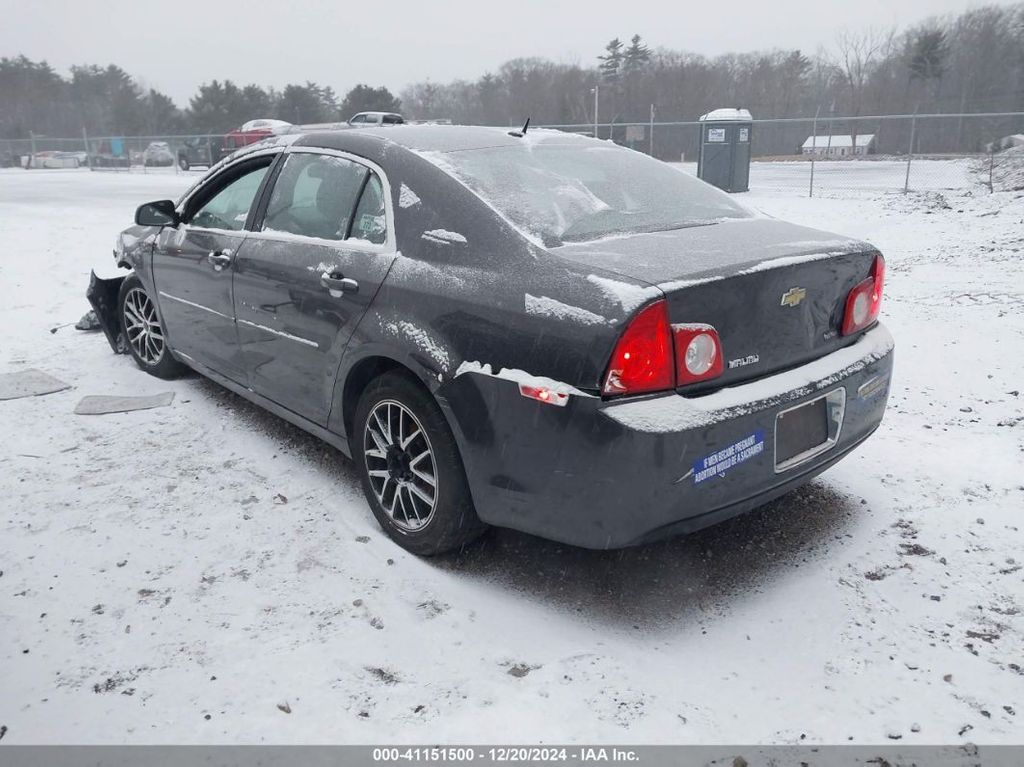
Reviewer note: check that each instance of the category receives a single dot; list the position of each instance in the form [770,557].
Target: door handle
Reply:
[219,259]
[338,283]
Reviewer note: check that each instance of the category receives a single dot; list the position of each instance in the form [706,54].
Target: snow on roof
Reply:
[263,123]
[821,142]
[727,114]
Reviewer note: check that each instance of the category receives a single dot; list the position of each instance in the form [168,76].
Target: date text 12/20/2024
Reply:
[527,754]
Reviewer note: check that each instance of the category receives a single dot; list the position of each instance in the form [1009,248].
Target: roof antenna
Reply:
[521,133]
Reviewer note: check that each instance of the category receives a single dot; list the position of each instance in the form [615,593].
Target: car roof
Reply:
[438,138]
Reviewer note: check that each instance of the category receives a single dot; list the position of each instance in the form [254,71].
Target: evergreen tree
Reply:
[306,104]
[611,61]
[928,55]
[365,98]
[636,57]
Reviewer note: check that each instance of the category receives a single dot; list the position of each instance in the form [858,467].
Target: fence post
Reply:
[991,166]
[32,150]
[651,150]
[814,147]
[88,154]
[910,152]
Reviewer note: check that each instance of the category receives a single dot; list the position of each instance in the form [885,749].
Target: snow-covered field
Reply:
[868,175]
[205,572]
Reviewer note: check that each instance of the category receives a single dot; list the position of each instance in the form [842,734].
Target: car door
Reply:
[192,267]
[322,245]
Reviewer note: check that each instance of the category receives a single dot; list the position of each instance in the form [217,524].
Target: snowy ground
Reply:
[157,587]
[859,176]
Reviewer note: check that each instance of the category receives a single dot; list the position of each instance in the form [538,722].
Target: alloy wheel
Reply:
[401,466]
[142,326]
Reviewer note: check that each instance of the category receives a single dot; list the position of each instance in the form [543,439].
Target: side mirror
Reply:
[159,213]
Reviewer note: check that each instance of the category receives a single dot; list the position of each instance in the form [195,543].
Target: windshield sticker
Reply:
[717,464]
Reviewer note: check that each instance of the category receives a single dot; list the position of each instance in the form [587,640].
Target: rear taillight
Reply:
[643,360]
[698,353]
[653,355]
[865,300]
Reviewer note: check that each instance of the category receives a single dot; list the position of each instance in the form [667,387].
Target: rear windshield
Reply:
[562,193]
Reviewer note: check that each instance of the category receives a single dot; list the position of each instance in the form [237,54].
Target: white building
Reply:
[839,146]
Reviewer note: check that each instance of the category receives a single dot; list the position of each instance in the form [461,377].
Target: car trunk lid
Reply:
[774,291]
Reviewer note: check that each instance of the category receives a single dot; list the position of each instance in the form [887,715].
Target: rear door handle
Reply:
[219,259]
[338,283]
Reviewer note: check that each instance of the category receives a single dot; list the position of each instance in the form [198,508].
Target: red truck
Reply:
[251,132]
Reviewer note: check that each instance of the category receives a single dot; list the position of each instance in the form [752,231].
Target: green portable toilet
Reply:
[724,158]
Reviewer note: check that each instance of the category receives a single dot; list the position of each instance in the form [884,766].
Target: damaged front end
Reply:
[103,295]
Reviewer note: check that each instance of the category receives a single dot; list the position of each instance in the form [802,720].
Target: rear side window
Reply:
[370,222]
[315,196]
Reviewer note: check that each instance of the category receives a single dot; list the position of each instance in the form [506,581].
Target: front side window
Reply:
[327,197]
[229,207]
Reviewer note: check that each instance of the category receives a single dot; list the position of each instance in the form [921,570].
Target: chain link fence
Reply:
[844,156]
[116,153]
[806,156]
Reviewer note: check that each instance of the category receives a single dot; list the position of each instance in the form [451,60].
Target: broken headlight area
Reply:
[103,295]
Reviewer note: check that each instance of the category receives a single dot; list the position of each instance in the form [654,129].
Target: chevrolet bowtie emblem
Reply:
[793,296]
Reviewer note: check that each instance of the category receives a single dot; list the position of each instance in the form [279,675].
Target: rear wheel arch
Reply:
[366,370]
[358,378]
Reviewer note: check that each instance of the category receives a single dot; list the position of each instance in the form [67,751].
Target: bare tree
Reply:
[859,54]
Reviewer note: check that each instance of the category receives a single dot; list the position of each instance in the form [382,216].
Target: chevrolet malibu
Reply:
[526,329]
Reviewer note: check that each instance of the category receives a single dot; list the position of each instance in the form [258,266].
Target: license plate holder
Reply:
[809,429]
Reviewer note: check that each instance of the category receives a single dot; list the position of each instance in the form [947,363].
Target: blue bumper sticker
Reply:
[717,464]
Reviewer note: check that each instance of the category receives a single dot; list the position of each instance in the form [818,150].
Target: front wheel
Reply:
[143,331]
[411,470]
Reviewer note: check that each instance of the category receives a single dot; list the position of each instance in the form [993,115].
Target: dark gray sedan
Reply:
[532,330]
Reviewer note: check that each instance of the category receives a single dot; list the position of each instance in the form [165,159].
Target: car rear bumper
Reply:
[607,474]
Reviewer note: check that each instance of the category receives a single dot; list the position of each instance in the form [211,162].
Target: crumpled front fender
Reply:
[103,295]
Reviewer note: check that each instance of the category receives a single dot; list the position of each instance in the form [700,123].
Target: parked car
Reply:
[157,154]
[252,132]
[539,331]
[199,152]
[54,159]
[366,119]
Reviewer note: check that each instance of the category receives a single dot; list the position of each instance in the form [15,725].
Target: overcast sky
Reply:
[174,46]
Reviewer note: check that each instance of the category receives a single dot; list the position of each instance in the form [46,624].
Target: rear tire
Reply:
[411,470]
[143,331]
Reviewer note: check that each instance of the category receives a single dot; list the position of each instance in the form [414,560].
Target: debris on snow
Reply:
[101,404]
[29,383]
[89,321]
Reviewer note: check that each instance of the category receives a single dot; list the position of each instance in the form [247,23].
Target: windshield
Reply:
[561,193]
